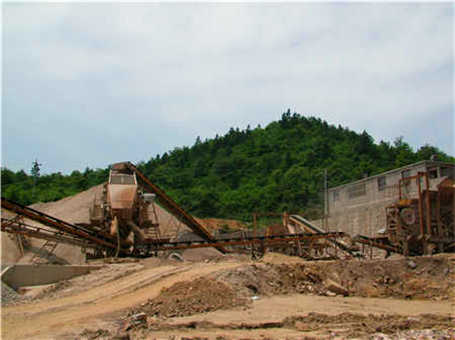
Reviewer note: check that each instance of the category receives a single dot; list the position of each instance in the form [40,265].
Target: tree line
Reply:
[276,168]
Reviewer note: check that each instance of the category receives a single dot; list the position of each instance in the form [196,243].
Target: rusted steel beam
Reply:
[44,234]
[438,213]
[420,203]
[173,207]
[370,242]
[266,240]
[307,224]
[55,223]
[427,203]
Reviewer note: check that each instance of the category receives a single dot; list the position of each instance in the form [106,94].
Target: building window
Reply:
[336,195]
[433,173]
[381,183]
[357,190]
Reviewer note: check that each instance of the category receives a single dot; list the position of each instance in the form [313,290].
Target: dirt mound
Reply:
[187,298]
[426,278]
[268,279]
[416,278]
[201,254]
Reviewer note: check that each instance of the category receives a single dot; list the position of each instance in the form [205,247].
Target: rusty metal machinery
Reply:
[104,244]
[55,229]
[127,206]
[18,226]
[314,248]
[123,222]
[168,203]
[300,222]
[419,224]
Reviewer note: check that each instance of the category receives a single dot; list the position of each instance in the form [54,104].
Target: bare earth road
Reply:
[101,307]
[48,319]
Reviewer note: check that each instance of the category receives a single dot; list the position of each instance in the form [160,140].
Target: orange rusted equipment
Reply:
[60,231]
[127,207]
[420,222]
[103,243]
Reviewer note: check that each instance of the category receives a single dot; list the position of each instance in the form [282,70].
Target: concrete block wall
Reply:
[366,213]
[364,220]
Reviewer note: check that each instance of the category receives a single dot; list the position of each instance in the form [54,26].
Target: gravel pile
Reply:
[188,298]
[9,295]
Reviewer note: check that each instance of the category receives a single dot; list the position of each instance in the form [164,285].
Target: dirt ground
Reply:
[278,297]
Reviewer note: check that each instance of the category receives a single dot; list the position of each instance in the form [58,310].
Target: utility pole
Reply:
[326,202]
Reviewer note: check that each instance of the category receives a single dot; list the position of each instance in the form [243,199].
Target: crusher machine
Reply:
[421,222]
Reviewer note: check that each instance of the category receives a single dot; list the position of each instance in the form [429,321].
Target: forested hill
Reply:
[272,169]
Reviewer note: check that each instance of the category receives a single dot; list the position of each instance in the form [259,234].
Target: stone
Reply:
[336,288]
[412,264]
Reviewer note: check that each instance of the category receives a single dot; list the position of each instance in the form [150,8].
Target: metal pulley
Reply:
[408,216]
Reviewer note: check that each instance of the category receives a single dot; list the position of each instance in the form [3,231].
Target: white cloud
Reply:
[166,73]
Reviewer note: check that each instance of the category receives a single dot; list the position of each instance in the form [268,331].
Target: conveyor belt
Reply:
[21,228]
[264,240]
[169,204]
[77,235]
[379,244]
[60,225]
[299,219]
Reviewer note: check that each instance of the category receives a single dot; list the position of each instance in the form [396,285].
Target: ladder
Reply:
[43,254]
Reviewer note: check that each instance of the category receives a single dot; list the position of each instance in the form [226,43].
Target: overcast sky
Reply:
[92,84]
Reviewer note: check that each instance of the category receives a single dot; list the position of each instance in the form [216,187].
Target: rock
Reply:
[301,326]
[139,317]
[331,294]
[134,320]
[412,264]
[336,288]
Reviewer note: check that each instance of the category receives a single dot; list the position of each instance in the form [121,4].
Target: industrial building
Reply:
[359,207]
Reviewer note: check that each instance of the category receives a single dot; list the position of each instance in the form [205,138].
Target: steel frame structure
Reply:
[420,225]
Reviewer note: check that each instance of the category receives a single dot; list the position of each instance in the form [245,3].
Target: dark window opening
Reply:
[433,173]
[336,195]
[357,190]
[381,183]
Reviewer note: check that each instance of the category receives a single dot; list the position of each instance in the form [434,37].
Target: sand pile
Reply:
[187,298]
[10,249]
[73,209]
[201,254]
